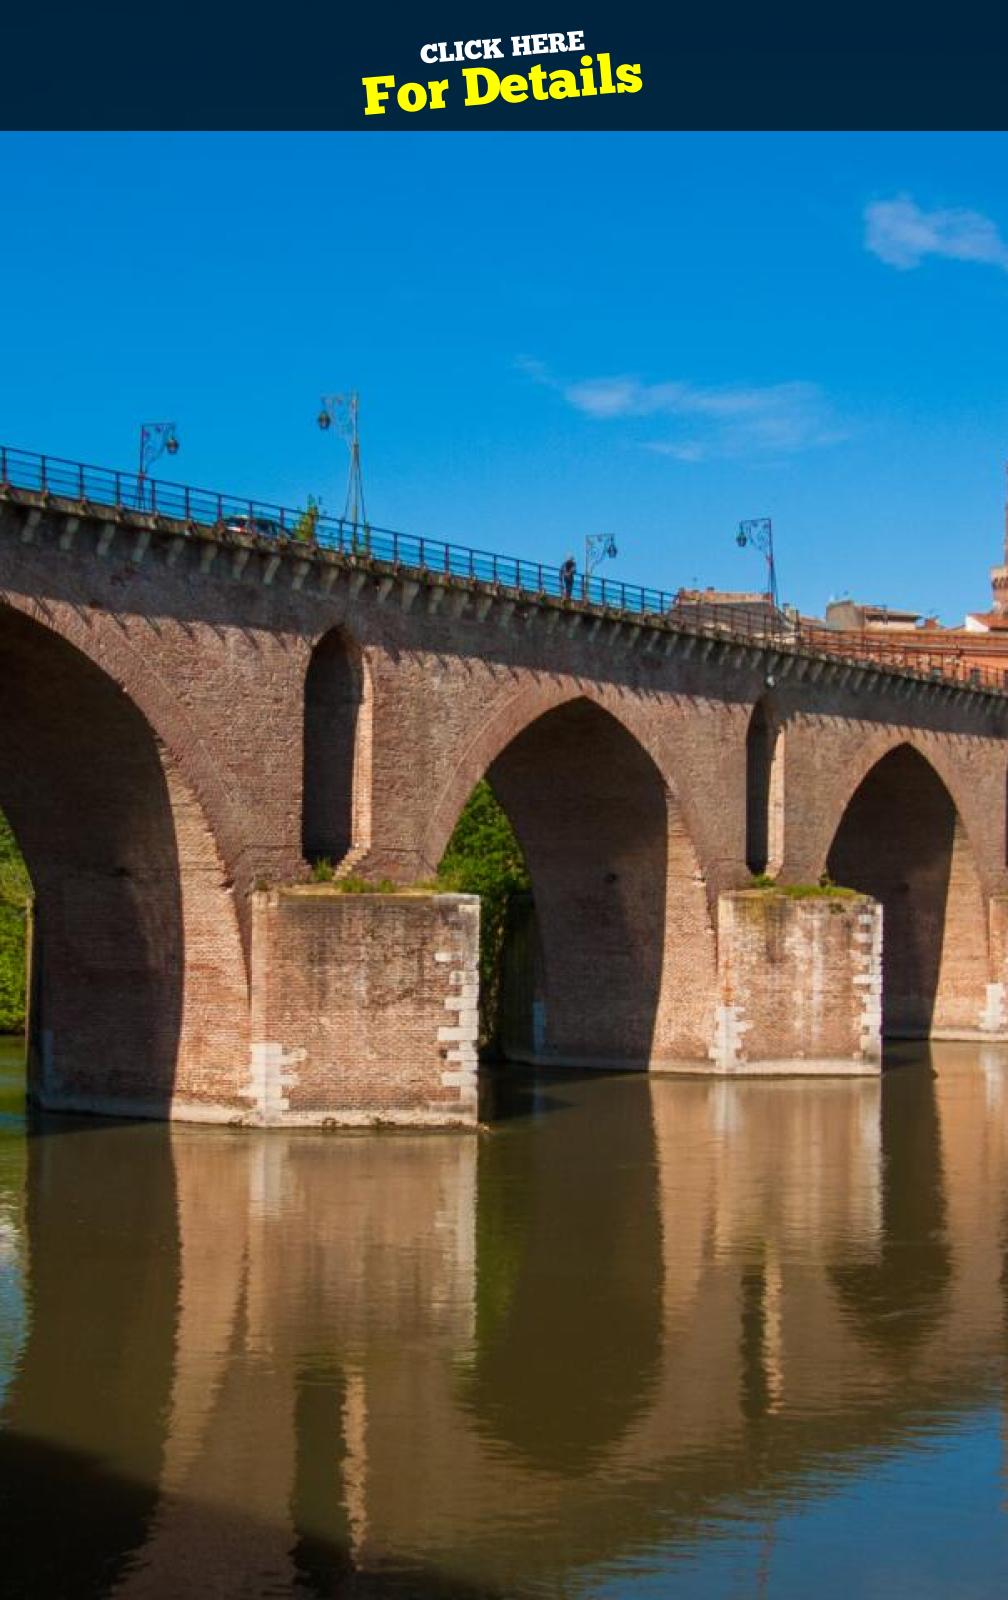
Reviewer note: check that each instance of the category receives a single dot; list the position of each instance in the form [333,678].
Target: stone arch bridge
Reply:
[195,710]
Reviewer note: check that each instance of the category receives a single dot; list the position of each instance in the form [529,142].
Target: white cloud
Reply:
[735,421]
[901,235]
[534,369]
[679,449]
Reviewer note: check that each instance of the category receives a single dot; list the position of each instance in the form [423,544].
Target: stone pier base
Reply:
[992,1021]
[364,1009]
[799,985]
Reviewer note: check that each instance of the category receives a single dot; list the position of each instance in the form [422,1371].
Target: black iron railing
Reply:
[125,492]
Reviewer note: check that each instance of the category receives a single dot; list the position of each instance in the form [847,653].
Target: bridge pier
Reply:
[364,1009]
[976,1007]
[799,985]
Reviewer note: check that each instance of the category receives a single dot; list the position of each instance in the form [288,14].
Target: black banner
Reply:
[609,67]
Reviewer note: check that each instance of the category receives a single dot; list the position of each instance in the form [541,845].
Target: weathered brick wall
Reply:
[363,1008]
[800,984]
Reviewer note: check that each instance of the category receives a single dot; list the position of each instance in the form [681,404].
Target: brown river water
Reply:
[641,1338]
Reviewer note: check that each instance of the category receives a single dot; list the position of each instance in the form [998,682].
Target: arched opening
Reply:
[334,775]
[84,788]
[902,841]
[764,792]
[590,812]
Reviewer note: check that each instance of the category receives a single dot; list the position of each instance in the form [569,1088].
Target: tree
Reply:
[483,857]
[15,896]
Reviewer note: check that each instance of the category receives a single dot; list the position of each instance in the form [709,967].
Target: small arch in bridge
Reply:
[336,751]
[764,791]
[902,841]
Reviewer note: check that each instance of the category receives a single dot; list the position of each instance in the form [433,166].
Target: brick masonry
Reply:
[363,1009]
[153,762]
[799,985]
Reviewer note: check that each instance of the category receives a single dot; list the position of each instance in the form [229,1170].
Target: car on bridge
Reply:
[252,525]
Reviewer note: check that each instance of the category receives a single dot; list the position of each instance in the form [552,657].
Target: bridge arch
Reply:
[138,965]
[120,648]
[902,839]
[609,854]
[336,772]
[517,712]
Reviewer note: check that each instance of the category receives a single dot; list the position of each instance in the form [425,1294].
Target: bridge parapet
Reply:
[250,541]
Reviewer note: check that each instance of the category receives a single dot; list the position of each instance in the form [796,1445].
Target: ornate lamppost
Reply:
[758,531]
[342,412]
[156,439]
[599,547]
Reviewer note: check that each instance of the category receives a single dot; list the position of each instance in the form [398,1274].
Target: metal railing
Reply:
[125,492]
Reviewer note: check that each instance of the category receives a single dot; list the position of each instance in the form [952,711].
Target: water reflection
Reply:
[897,1298]
[572,1353]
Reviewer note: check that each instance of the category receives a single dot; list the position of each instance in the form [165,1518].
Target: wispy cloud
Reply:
[735,421]
[901,234]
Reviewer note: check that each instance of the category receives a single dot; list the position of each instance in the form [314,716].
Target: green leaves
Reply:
[483,857]
[15,893]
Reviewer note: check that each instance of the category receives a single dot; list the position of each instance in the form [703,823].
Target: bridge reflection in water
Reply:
[621,1337]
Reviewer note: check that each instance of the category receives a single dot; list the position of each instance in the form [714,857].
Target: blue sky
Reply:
[654,335]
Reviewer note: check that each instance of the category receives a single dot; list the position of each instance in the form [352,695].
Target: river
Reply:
[639,1338]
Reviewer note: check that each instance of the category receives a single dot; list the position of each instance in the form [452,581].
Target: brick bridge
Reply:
[197,706]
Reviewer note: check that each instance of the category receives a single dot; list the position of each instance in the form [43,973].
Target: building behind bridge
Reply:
[979,641]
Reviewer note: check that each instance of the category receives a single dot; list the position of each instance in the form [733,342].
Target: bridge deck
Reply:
[49,485]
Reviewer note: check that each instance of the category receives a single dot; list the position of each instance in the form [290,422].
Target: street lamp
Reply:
[599,547]
[342,412]
[156,439]
[758,531]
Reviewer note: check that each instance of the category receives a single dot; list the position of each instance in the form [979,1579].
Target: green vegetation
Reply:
[825,889]
[483,857]
[15,894]
[352,884]
[323,871]
[307,522]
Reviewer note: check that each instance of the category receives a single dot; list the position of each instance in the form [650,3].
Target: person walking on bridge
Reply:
[567,572]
